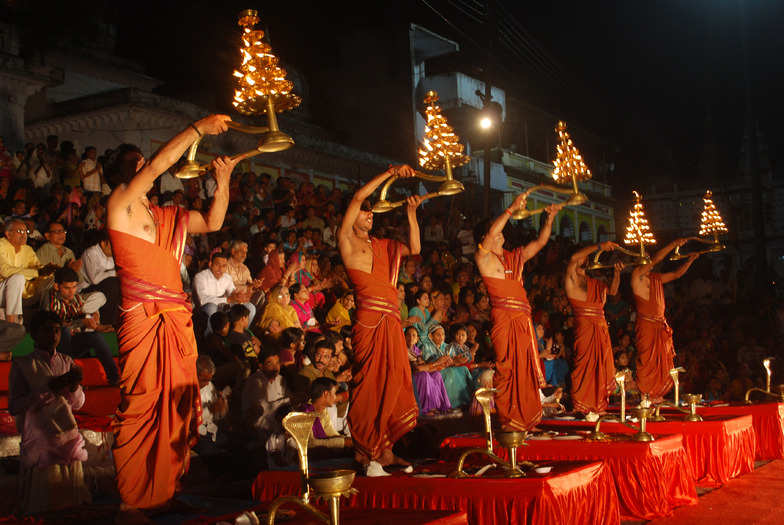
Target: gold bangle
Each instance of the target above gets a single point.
(482, 248)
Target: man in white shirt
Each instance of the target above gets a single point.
(213, 288)
(90, 171)
(170, 183)
(99, 275)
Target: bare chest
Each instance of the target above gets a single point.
(361, 254)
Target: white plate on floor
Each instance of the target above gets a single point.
(564, 418)
(568, 438)
(539, 438)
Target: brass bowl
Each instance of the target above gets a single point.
(692, 399)
(511, 439)
(640, 412)
(333, 482)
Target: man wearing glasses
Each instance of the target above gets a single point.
(56, 254)
(23, 279)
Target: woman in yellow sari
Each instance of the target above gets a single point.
(278, 312)
(339, 315)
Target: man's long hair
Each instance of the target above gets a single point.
(112, 170)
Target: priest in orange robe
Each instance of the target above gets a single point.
(518, 373)
(655, 351)
(382, 407)
(159, 412)
(593, 375)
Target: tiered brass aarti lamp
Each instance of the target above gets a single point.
(710, 224)
(637, 232)
(441, 150)
(261, 88)
(568, 166)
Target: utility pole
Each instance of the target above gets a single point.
(486, 103)
(757, 211)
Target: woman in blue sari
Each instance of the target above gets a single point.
(426, 319)
(555, 368)
(457, 379)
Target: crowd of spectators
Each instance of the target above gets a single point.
(273, 305)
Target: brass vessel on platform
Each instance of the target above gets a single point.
(509, 440)
(329, 486)
(642, 414)
(691, 413)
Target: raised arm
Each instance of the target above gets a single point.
(583, 253)
(671, 276)
(353, 208)
(533, 247)
(645, 269)
(482, 255)
(616, 280)
(211, 221)
(414, 244)
(169, 153)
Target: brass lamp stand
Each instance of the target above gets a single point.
(691, 413)
(779, 389)
(329, 486)
(508, 440)
(642, 414)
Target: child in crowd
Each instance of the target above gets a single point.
(242, 342)
(715, 392)
(216, 345)
(485, 381)
(290, 352)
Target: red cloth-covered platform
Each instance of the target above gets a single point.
(719, 448)
(572, 493)
(651, 478)
(352, 516)
(768, 422)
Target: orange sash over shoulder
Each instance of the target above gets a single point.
(655, 351)
(383, 407)
(593, 376)
(160, 408)
(518, 373)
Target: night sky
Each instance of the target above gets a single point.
(648, 75)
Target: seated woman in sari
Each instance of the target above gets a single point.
(278, 311)
(555, 366)
(340, 314)
(429, 386)
(426, 319)
(302, 302)
(457, 379)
